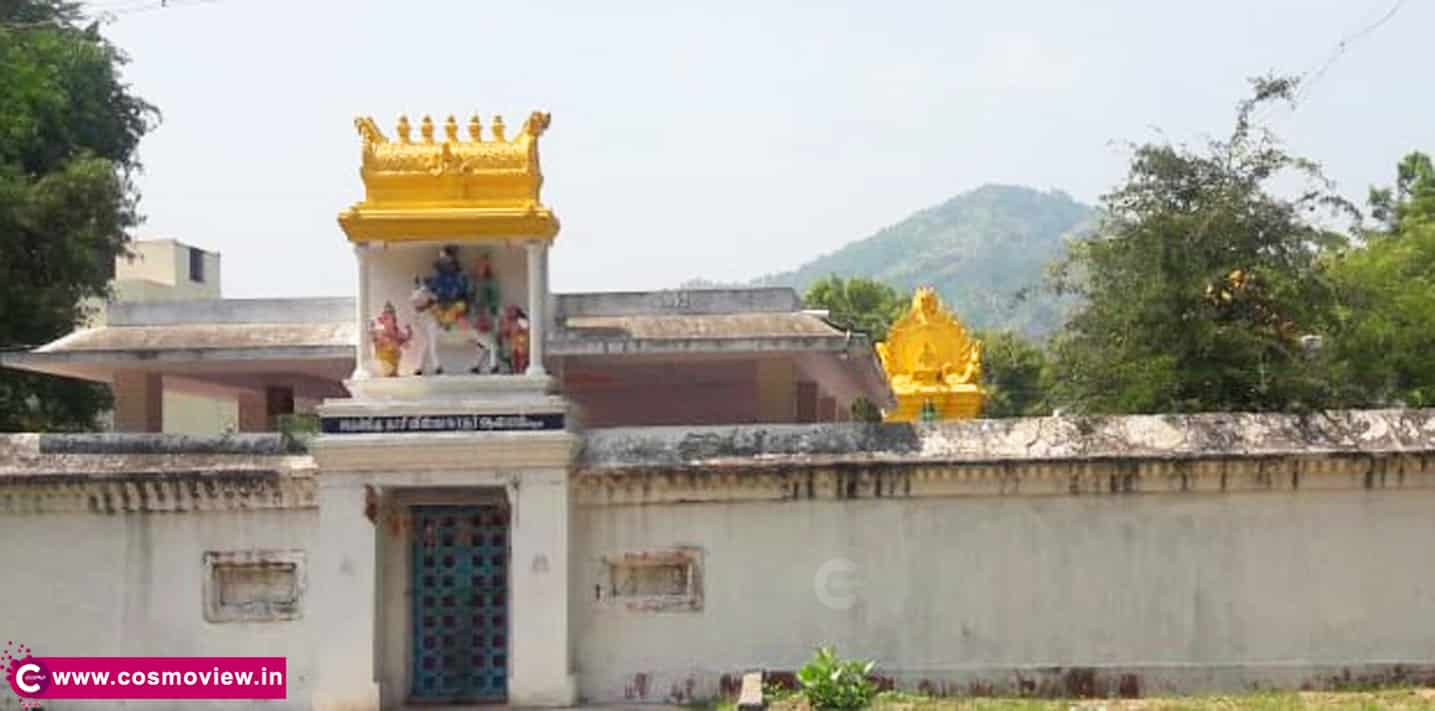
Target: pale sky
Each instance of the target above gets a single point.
(728, 140)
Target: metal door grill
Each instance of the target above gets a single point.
(460, 603)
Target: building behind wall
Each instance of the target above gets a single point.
(167, 270)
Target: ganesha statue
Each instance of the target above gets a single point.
(389, 340)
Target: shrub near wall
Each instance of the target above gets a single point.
(832, 683)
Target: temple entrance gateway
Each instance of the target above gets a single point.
(460, 620)
(442, 592)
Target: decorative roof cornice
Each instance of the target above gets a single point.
(879, 479)
(166, 491)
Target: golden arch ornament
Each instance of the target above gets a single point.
(934, 366)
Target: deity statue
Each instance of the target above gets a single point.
(514, 332)
(449, 287)
(934, 367)
(485, 343)
(483, 315)
(483, 288)
(388, 341)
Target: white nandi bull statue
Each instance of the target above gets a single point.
(425, 305)
(483, 337)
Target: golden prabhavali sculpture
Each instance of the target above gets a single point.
(935, 368)
(433, 187)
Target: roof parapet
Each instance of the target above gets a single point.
(212, 311)
(678, 301)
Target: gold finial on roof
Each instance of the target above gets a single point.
(475, 129)
(370, 131)
(426, 129)
(933, 365)
(498, 128)
(536, 124)
(404, 129)
(450, 129)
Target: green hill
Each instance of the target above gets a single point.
(978, 249)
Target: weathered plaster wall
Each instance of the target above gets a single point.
(1182, 591)
(1062, 556)
(130, 584)
(104, 536)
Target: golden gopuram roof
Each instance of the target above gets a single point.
(935, 368)
(443, 187)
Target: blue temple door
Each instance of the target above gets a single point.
(460, 603)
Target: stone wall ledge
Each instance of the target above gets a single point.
(30, 444)
(1018, 440)
(909, 479)
(150, 473)
(1056, 456)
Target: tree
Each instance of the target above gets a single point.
(1385, 346)
(1413, 196)
(1201, 284)
(858, 304)
(68, 131)
(1013, 369)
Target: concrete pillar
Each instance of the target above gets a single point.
(139, 401)
(363, 315)
(344, 592)
(540, 658)
(537, 305)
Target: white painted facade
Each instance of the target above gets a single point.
(365, 573)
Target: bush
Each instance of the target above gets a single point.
(863, 410)
(296, 430)
(832, 683)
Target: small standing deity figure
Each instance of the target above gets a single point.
(483, 314)
(515, 336)
(449, 287)
(483, 289)
(485, 343)
(388, 340)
